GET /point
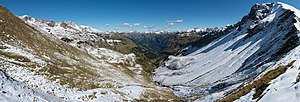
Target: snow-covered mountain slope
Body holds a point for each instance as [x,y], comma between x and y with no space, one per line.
[38,66]
[282,88]
[70,32]
[14,91]
[251,47]
[90,40]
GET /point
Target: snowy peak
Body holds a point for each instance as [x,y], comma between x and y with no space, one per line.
[63,25]
[35,20]
[262,15]
[197,30]
[262,11]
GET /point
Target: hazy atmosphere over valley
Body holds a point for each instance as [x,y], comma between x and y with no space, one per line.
[149,51]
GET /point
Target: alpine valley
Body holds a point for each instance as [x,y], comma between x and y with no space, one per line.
[254,60]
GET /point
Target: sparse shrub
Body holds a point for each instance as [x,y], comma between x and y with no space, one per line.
[3,47]
[66,39]
[298,78]
[15,57]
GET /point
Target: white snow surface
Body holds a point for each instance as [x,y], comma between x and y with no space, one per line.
[289,7]
[25,85]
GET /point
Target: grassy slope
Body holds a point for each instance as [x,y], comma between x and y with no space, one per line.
[16,32]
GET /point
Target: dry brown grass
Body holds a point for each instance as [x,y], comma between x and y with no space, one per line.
[159,97]
[14,56]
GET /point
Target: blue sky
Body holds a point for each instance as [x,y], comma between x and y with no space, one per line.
[119,13]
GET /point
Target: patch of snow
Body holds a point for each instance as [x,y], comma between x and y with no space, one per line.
[297,25]
[113,41]
[15,91]
[269,18]
[132,91]
[18,51]
[289,7]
